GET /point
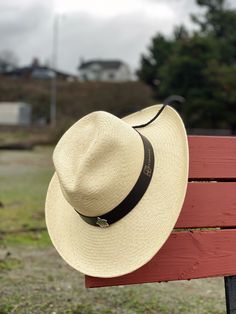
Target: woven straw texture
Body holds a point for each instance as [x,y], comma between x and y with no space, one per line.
[97,161]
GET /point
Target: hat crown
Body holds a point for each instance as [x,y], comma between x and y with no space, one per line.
[98,161]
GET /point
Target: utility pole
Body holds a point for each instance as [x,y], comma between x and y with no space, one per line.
[53,105]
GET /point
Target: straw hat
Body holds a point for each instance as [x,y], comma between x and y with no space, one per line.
[117,190]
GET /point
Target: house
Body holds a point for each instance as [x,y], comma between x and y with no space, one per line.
[104,70]
[15,113]
[37,71]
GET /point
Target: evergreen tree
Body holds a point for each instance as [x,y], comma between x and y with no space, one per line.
[201,67]
[158,54]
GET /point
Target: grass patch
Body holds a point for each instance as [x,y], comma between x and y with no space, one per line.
[9,263]
[24,178]
[148,299]
[39,239]
[6,308]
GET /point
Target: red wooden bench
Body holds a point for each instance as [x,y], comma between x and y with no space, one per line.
[210,204]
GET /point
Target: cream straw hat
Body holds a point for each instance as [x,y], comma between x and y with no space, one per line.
[117,190]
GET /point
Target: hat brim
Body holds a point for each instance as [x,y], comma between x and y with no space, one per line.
[131,242]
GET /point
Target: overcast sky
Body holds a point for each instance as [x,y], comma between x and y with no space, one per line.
[107,29]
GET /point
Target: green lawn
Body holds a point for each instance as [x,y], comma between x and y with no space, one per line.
[24,177]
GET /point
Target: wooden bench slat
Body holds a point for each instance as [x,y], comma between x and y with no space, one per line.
[197,254]
[212,157]
[186,255]
[209,205]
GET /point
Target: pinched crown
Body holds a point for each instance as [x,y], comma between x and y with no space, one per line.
[98,161]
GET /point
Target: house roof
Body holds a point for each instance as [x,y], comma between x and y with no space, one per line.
[105,64]
[29,70]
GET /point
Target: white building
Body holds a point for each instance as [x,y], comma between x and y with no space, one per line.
[15,113]
[105,71]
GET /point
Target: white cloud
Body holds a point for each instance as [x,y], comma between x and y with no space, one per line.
[25,27]
[124,37]
[109,9]
[91,28]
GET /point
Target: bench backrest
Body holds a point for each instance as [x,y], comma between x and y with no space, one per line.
[210,204]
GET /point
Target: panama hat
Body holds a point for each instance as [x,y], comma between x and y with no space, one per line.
[117,190]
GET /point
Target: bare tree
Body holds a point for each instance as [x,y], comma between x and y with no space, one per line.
[8,60]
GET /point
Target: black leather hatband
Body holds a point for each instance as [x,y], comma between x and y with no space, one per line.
[134,195]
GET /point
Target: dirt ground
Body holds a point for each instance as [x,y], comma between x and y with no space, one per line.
[37,280]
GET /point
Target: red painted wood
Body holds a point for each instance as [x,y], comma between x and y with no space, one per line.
[198,254]
[212,157]
[186,255]
[209,205]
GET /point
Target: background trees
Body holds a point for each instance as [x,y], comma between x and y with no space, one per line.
[200,66]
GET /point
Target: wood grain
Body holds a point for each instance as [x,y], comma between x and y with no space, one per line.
[209,205]
[212,157]
[186,255]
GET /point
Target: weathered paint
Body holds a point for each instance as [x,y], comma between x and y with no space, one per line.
[186,255]
[209,205]
[212,157]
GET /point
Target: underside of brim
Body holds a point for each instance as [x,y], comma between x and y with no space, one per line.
[131,242]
